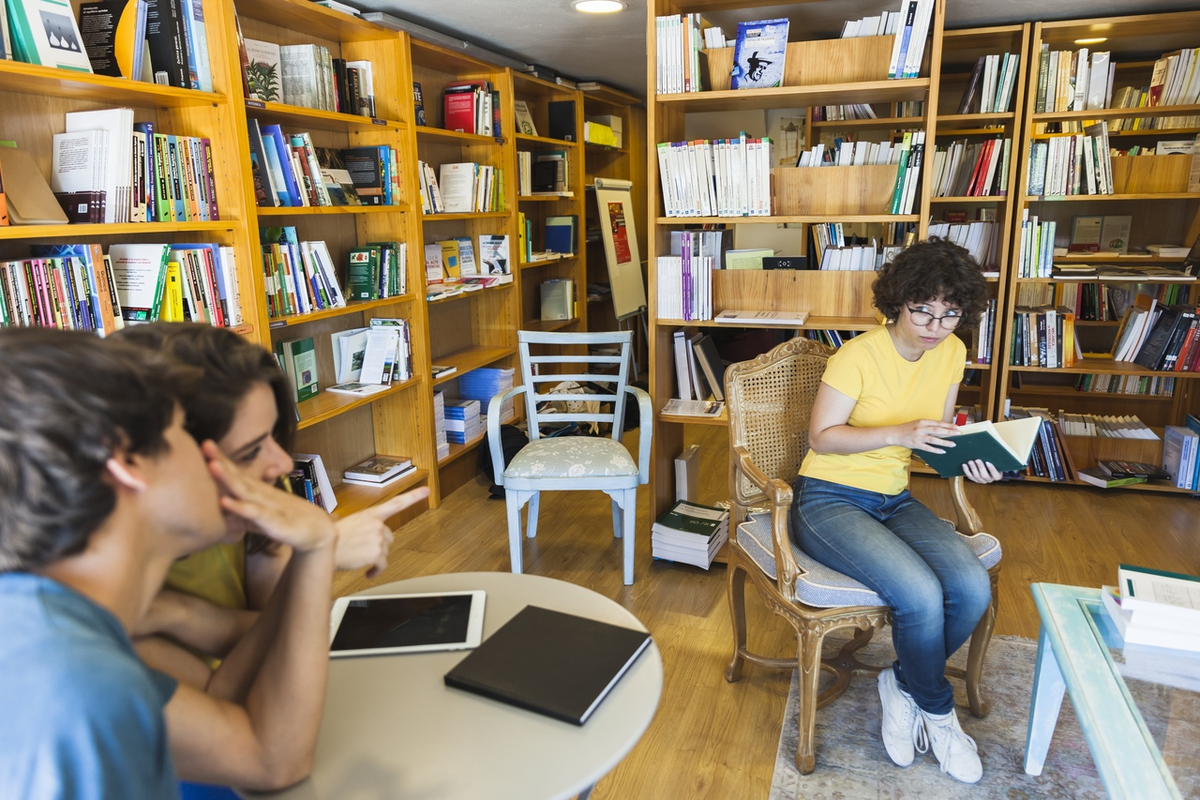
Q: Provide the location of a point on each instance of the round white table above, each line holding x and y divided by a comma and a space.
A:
393, 729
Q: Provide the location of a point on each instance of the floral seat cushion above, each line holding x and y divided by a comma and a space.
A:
572, 457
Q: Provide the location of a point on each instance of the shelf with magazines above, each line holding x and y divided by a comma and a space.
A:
548, 156
1098, 319
829, 211
326, 135
462, 147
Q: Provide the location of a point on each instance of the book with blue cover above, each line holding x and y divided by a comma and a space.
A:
759, 54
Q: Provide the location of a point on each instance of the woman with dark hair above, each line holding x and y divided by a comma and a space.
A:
243, 404
886, 393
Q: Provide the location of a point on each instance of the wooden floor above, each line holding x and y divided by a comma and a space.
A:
715, 740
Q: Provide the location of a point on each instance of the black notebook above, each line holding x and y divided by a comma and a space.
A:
553, 663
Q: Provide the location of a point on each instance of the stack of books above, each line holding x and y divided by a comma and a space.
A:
309, 480
462, 421
1109, 474
439, 425
1152, 607
690, 534
484, 384
378, 471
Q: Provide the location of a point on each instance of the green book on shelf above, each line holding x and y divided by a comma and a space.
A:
362, 273
299, 358
1006, 445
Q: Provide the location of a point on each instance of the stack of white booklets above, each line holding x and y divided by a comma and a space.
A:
439, 425
1156, 608
717, 178
485, 383
462, 420
884, 24
690, 534
678, 44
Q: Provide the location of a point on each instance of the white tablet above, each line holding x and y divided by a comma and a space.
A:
406, 623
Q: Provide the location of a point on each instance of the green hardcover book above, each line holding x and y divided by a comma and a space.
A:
1006, 445
390, 263
694, 518
362, 273
300, 364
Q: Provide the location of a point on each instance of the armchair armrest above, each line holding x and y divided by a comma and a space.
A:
779, 494
645, 431
493, 431
968, 521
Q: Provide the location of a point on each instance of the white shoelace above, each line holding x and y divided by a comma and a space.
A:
953, 732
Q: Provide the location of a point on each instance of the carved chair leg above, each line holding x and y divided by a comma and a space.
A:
809, 676
980, 639
735, 590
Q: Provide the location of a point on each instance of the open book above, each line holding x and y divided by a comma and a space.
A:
1006, 445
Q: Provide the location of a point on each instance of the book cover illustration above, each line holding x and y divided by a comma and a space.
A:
493, 252
419, 103
262, 70
759, 54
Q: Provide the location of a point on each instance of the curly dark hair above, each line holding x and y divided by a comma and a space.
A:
928, 270
67, 400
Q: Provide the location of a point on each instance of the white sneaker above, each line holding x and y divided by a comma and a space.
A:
954, 749
901, 719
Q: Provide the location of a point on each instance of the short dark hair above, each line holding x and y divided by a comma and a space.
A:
67, 400
231, 366
928, 270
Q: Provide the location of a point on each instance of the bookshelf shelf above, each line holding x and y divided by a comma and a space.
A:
544, 198
965, 124
1136, 258
983, 200
313, 20
541, 262
470, 358
880, 123
457, 451
1098, 366
1116, 113
332, 313
547, 325
353, 497
780, 220
884, 91
21, 78
284, 114
316, 211
1106, 279
124, 229
327, 405
533, 86
464, 295
470, 215
1067, 391
434, 135
526, 138
1110, 198
719, 421
603, 149
812, 323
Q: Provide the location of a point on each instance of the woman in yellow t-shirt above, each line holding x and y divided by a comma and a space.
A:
886, 393
211, 598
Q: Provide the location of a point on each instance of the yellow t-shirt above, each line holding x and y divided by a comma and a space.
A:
217, 574
889, 391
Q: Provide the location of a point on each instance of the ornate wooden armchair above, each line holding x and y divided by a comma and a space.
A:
769, 401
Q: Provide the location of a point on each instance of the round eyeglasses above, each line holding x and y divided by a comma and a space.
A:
922, 318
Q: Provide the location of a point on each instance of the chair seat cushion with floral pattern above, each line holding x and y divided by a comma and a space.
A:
572, 457
823, 587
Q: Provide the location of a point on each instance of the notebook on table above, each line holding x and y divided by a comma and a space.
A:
553, 663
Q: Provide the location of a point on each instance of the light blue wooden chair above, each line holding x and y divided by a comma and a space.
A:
572, 463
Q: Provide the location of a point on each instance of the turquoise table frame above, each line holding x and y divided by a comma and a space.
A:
1073, 656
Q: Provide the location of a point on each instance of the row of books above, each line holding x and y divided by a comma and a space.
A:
289, 171
678, 43
847, 153
463, 421
699, 370
990, 87
981, 238
908, 49
1072, 164
689, 533
1159, 611
1148, 385
366, 359
1073, 81
717, 178
461, 188
453, 260
306, 75
1181, 454
831, 338
1106, 426
854, 257
310, 480
376, 271
844, 112
1050, 458
439, 423
1139, 97
886, 23
1043, 337
1035, 254
108, 169
1162, 339
685, 285
985, 334
471, 107
79, 287
971, 169
543, 173
298, 277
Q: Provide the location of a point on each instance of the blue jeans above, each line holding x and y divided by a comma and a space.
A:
936, 587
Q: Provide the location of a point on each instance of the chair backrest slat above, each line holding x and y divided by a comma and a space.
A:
547, 375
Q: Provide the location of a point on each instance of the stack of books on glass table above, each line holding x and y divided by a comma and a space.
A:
690, 534
485, 383
462, 420
439, 425
1156, 608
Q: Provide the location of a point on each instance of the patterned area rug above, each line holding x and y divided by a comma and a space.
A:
852, 763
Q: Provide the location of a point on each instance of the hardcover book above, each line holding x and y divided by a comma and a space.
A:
552, 663
300, 363
1007, 445
377, 469
263, 70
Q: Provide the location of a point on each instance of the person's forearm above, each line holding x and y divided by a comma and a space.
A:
846, 440
199, 624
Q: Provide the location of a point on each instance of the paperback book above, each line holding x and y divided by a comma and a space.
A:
759, 54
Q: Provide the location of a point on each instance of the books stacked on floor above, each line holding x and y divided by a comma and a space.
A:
685, 278
485, 383
690, 534
717, 178
1181, 454
462, 421
471, 107
1153, 607
990, 88
972, 169
1072, 164
299, 277
678, 45
310, 481
439, 424
378, 471
306, 75
289, 171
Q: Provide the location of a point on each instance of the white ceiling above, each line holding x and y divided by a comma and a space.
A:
611, 48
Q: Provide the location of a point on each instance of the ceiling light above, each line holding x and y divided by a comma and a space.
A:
1097, 40
598, 6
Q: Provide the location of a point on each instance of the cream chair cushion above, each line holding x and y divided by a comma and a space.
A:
572, 457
